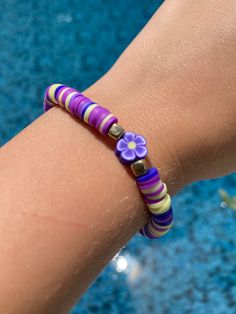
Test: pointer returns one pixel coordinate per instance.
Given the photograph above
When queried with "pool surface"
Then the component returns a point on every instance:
(193, 268)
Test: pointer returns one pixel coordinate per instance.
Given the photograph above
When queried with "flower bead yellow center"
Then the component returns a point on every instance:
(132, 145)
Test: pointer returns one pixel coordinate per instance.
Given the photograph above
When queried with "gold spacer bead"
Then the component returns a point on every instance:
(139, 167)
(116, 131)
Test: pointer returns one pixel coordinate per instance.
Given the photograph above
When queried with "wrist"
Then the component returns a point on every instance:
(151, 119)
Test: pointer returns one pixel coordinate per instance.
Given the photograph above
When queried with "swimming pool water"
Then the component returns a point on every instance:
(193, 268)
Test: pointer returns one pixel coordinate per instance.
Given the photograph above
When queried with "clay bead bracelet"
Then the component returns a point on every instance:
(130, 149)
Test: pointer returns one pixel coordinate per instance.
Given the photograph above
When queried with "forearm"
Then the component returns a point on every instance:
(68, 206)
(67, 203)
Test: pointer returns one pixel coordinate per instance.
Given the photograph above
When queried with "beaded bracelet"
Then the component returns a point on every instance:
(130, 149)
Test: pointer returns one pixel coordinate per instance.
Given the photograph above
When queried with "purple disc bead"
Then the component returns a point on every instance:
(75, 102)
(84, 104)
(46, 106)
(102, 115)
(164, 216)
(108, 124)
(149, 175)
(95, 114)
(57, 91)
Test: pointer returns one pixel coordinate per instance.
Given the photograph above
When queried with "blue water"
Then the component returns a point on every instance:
(191, 270)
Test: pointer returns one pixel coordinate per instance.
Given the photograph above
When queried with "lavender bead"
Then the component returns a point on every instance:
(131, 147)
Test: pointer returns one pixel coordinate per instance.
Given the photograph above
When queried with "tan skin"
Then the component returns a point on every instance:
(67, 205)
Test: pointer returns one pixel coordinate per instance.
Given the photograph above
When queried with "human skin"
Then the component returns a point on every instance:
(67, 205)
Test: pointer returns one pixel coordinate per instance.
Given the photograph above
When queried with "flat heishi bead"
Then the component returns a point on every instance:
(79, 105)
(88, 112)
(162, 206)
(158, 201)
(149, 175)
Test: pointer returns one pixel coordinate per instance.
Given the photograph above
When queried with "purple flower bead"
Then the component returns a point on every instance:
(131, 147)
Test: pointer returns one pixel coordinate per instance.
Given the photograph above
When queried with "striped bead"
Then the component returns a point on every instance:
(158, 201)
(157, 227)
(151, 186)
(79, 105)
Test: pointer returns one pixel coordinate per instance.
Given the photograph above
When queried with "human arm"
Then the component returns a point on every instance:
(67, 205)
